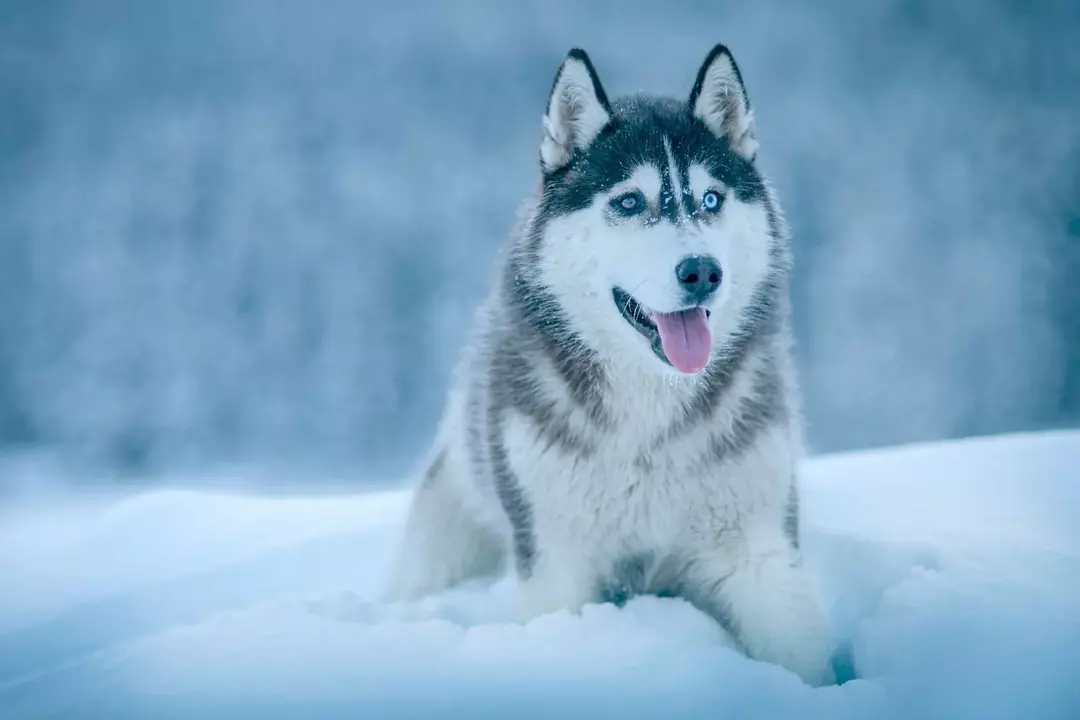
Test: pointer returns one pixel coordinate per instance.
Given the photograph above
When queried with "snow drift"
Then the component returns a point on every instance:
(951, 573)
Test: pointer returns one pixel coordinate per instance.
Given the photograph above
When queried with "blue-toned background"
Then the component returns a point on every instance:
(214, 215)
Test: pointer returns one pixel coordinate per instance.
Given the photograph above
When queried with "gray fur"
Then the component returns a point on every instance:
(764, 320)
(434, 468)
(791, 515)
(536, 325)
(513, 501)
(514, 385)
(756, 411)
(709, 598)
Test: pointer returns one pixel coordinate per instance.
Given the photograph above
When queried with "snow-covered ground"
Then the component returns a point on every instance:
(951, 572)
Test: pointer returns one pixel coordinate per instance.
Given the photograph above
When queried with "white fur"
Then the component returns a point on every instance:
(645, 178)
(701, 181)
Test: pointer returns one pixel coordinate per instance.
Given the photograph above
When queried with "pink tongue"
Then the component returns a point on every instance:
(686, 338)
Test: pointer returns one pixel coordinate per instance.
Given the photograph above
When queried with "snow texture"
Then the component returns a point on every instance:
(951, 573)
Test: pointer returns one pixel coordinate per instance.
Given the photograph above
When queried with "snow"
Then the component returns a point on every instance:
(951, 573)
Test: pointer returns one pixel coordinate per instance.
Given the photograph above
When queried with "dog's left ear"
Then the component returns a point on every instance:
(719, 100)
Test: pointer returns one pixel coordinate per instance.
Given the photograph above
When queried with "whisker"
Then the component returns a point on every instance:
(630, 297)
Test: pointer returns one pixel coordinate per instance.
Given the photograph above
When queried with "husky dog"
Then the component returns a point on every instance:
(625, 419)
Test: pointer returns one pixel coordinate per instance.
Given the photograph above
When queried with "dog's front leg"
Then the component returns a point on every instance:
(759, 590)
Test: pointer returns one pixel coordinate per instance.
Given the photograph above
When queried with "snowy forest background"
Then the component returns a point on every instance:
(213, 215)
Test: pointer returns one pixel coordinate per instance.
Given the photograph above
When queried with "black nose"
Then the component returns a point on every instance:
(699, 276)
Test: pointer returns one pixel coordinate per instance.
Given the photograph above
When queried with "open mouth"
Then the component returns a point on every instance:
(682, 339)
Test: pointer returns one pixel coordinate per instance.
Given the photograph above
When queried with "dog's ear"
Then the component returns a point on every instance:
(719, 100)
(577, 111)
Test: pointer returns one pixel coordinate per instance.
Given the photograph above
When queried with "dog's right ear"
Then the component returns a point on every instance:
(577, 111)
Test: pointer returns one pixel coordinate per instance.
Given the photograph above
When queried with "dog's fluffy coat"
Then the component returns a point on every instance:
(570, 445)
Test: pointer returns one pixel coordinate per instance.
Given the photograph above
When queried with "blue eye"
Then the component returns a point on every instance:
(630, 203)
(711, 201)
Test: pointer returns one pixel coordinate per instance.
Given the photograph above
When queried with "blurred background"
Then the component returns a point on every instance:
(212, 214)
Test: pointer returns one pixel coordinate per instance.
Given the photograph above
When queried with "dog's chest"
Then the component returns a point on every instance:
(626, 483)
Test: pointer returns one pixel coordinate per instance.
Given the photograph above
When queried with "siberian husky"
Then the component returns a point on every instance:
(626, 419)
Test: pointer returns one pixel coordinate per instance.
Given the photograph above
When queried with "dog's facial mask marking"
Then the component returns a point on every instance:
(645, 200)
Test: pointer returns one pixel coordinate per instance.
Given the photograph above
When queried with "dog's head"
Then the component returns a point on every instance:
(656, 227)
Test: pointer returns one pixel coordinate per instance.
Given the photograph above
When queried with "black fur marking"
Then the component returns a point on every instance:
(669, 204)
(791, 515)
(635, 136)
(512, 498)
(691, 204)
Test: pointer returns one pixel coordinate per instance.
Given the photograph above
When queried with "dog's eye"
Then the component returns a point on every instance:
(630, 203)
(711, 201)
